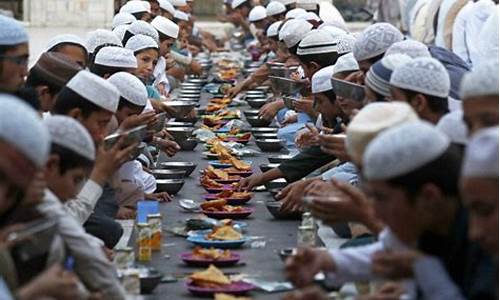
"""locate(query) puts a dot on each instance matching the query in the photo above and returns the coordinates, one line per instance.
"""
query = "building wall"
(80, 13)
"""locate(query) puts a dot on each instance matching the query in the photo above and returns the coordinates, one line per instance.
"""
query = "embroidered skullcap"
(180, 15)
(236, 3)
(375, 40)
(118, 57)
(141, 42)
(379, 76)
(257, 13)
(452, 124)
(295, 13)
(178, 3)
(319, 41)
(56, 68)
(411, 48)
(275, 8)
(101, 37)
(320, 81)
(69, 39)
(424, 75)
(167, 6)
(293, 31)
(373, 119)
(272, 30)
(136, 6)
(130, 87)
(166, 26)
(120, 31)
(96, 90)
(481, 81)
(70, 134)
(481, 155)
(345, 63)
(13, 32)
(403, 149)
(22, 127)
(144, 28)
(333, 30)
(122, 19)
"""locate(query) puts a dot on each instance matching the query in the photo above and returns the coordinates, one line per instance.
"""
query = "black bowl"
(266, 167)
(258, 122)
(274, 192)
(258, 130)
(168, 174)
(189, 144)
(270, 145)
(276, 184)
(251, 112)
(278, 159)
(274, 208)
(150, 280)
(189, 167)
(256, 103)
(286, 253)
(260, 136)
(171, 186)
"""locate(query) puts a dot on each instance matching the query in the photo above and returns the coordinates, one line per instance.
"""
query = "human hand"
(291, 196)
(36, 190)
(160, 197)
(234, 91)
(309, 293)
(148, 118)
(108, 161)
(167, 146)
(248, 183)
(290, 119)
(269, 110)
(195, 68)
(334, 144)
(301, 268)
(55, 283)
(307, 137)
(394, 265)
(125, 213)
(305, 105)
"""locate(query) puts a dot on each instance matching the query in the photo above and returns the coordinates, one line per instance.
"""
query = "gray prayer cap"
(65, 39)
(481, 81)
(101, 37)
(481, 155)
(22, 127)
(411, 48)
(275, 8)
(130, 87)
(375, 40)
(452, 124)
(13, 32)
(293, 31)
(403, 149)
(379, 76)
(272, 30)
(319, 41)
(70, 134)
(345, 63)
(424, 75)
(120, 31)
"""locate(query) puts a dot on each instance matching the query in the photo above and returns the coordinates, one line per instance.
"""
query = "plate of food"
(219, 209)
(232, 197)
(202, 257)
(213, 186)
(208, 282)
(223, 237)
(220, 176)
(235, 171)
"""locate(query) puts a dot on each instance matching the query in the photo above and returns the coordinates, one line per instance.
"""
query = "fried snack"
(225, 208)
(210, 278)
(224, 101)
(217, 204)
(214, 173)
(220, 296)
(224, 233)
(226, 222)
(239, 165)
(215, 107)
(233, 194)
(210, 183)
(212, 253)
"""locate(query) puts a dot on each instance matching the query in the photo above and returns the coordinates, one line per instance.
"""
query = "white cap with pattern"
(321, 80)
(237, 3)
(295, 13)
(345, 63)
(166, 26)
(412, 48)
(65, 39)
(141, 42)
(272, 30)
(403, 149)
(118, 57)
(120, 31)
(136, 6)
(375, 40)
(95, 89)
(333, 30)
(293, 31)
(481, 81)
(178, 3)
(319, 41)
(144, 28)
(258, 13)
(122, 18)
(481, 155)
(130, 87)
(452, 124)
(100, 37)
(180, 15)
(275, 8)
(70, 134)
(167, 6)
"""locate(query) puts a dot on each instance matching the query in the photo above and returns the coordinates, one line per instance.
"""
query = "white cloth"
(443, 12)
(418, 20)
(160, 74)
(488, 38)
(82, 207)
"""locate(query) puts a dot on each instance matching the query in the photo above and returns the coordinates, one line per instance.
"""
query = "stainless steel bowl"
(276, 184)
(182, 108)
(260, 136)
(278, 159)
(160, 121)
(251, 112)
(274, 207)
(178, 124)
(188, 167)
(270, 145)
(171, 186)
(286, 86)
(134, 135)
(189, 144)
(264, 130)
(266, 167)
(168, 174)
(180, 133)
(256, 103)
(258, 122)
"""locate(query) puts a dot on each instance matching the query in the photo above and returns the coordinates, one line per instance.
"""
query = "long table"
(263, 263)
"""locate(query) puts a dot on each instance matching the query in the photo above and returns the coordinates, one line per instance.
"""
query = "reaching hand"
(301, 268)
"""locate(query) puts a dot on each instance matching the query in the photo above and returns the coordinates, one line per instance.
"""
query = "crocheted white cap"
(136, 6)
(65, 39)
(321, 80)
(70, 134)
(144, 28)
(293, 31)
(141, 42)
(481, 81)
(309, 16)
(130, 87)
(295, 13)
(116, 57)
(345, 63)
(167, 6)
(258, 13)
(100, 37)
(481, 155)
(319, 41)
(275, 8)
(180, 15)
(13, 32)
(166, 26)
(411, 48)
(178, 2)
(272, 30)
(96, 90)
(452, 124)
(122, 18)
(120, 31)
(375, 40)
(237, 3)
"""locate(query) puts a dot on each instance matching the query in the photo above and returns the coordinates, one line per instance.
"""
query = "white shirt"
(160, 74)
(443, 12)
(488, 38)
(84, 204)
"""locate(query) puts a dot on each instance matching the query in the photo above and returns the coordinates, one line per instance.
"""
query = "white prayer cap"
(144, 28)
(120, 31)
(166, 26)
(130, 87)
(307, 4)
(375, 40)
(309, 16)
(122, 18)
(100, 37)
(70, 134)
(96, 90)
(379, 76)
(321, 80)
(65, 39)
(403, 149)
(257, 13)
(481, 155)
(319, 41)
(272, 30)
(295, 13)
(293, 31)
(180, 15)
(237, 3)
(424, 75)
(167, 6)
(286, 2)
(22, 127)
(136, 6)
(333, 30)
(178, 2)
(141, 42)
(411, 48)
(275, 8)
(371, 121)
(481, 81)
(345, 63)
(334, 23)
(13, 32)
(452, 124)
(118, 57)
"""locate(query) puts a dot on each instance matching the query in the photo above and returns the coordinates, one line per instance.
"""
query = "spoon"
(189, 205)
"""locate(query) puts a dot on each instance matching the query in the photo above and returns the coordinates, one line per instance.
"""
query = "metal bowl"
(171, 186)
(149, 280)
(190, 89)
(182, 108)
(256, 103)
(286, 86)
(189, 144)
(160, 121)
(276, 184)
(187, 92)
(178, 124)
(188, 167)
(168, 174)
(263, 88)
(134, 135)
(266, 167)
(260, 136)
(264, 130)
(258, 122)
(289, 102)
(180, 133)
(251, 112)
(190, 120)
(270, 145)
(274, 208)
(200, 81)
(190, 85)
(255, 96)
(278, 159)
(286, 253)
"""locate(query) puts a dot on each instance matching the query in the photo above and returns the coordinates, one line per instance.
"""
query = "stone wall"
(79, 13)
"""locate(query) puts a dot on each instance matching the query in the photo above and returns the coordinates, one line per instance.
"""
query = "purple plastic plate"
(228, 181)
(189, 259)
(230, 215)
(230, 201)
(240, 173)
(227, 187)
(236, 288)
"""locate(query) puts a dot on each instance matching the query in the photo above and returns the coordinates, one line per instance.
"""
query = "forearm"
(84, 204)
(271, 175)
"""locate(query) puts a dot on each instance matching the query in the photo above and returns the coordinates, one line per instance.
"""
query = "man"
(168, 33)
(167, 10)
(70, 45)
(141, 10)
(275, 11)
(98, 39)
(14, 55)
(479, 93)
(113, 59)
(239, 15)
(424, 83)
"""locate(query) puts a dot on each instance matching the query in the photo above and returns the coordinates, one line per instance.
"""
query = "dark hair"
(58, 47)
(96, 50)
(139, 15)
(436, 104)
(322, 59)
(69, 160)
(142, 50)
(293, 50)
(35, 79)
(5, 48)
(67, 100)
(375, 59)
(163, 37)
(444, 172)
(331, 95)
(126, 37)
(125, 103)
(30, 96)
(101, 70)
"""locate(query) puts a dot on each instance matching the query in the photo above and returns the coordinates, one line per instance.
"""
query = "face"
(96, 123)
(75, 54)
(146, 62)
(166, 45)
(480, 113)
(14, 68)
(327, 109)
(167, 15)
(46, 99)
(480, 197)
(126, 112)
(65, 186)
(155, 8)
(364, 66)
(370, 96)
(310, 68)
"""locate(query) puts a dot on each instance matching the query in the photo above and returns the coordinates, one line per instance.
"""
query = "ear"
(419, 102)
(52, 165)
(75, 113)
(429, 198)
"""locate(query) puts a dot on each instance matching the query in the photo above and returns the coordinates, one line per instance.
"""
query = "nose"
(475, 231)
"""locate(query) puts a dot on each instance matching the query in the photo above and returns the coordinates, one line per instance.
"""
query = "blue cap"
(12, 33)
